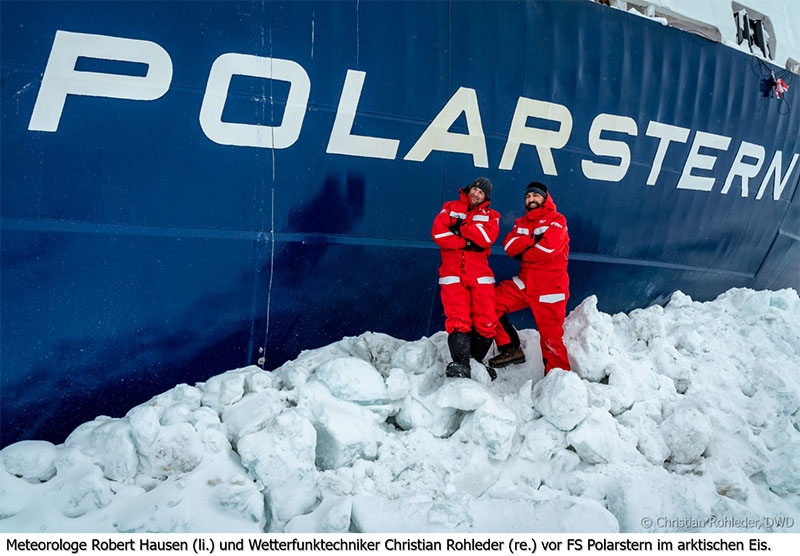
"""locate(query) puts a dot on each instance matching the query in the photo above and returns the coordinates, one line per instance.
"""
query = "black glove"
(470, 246)
(518, 256)
(456, 228)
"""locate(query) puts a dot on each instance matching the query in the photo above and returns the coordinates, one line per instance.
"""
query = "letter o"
(254, 135)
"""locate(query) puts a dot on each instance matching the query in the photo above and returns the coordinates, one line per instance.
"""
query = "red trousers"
(469, 304)
(549, 311)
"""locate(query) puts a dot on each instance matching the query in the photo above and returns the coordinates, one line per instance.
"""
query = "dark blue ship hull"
(152, 242)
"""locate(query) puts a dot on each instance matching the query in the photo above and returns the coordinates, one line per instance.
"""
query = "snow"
(562, 398)
(350, 378)
(280, 458)
(33, 460)
(687, 433)
(589, 334)
(690, 410)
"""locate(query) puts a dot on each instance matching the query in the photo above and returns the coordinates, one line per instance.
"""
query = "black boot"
(479, 346)
(459, 345)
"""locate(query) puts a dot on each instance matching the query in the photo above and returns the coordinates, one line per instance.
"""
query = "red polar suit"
(467, 282)
(541, 239)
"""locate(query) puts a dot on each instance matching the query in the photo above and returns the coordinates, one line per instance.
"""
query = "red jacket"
(542, 240)
(481, 225)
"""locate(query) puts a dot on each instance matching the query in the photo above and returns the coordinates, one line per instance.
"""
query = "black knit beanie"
(537, 187)
(484, 184)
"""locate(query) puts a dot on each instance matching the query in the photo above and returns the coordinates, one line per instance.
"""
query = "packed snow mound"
(688, 412)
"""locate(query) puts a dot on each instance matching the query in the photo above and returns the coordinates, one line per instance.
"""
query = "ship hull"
(149, 242)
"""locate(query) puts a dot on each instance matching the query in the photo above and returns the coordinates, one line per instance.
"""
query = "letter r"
(543, 139)
(61, 79)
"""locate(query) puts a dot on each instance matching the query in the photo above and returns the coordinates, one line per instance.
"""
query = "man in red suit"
(464, 230)
(540, 242)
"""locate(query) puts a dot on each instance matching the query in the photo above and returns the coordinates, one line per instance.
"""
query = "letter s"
(610, 148)
(61, 79)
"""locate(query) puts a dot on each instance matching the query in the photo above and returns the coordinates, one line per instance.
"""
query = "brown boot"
(509, 355)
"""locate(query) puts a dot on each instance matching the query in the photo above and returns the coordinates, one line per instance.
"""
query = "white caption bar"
(394, 543)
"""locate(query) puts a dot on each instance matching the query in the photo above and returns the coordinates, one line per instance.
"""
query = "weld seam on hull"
(790, 235)
(641, 262)
(71, 226)
(295, 237)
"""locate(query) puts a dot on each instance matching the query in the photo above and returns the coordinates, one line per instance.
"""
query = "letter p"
(61, 79)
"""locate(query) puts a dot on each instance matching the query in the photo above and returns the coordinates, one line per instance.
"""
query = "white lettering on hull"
(742, 169)
(544, 140)
(437, 136)
(697, 161)
(251, 135)
(775, 170)
(60, 80)
(342, 140)
(666, 134)
(607, 147)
